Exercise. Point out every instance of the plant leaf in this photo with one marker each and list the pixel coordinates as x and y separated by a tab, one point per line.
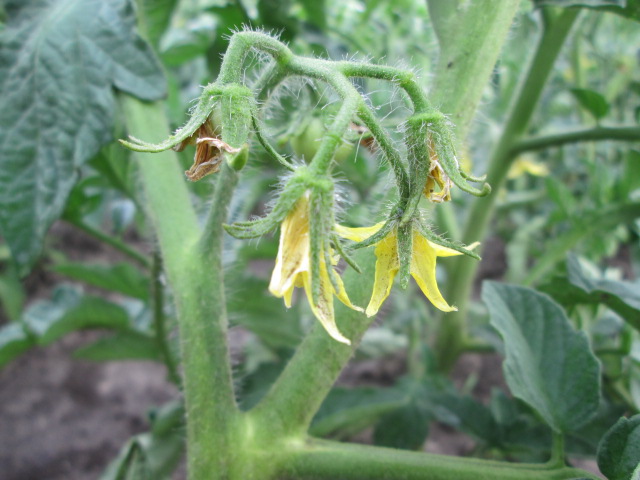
59	62
156	16
581	288
153	455
14	340
69	310
625	8
406	428
347	411
591	101
121	277
125	345
548	365
619	450
581	3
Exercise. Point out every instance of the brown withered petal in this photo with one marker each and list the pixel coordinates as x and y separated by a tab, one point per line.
208	157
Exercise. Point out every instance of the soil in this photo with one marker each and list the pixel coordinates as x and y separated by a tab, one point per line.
65	419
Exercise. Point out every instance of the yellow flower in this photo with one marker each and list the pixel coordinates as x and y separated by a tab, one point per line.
527	164
423	265
293	269
437	177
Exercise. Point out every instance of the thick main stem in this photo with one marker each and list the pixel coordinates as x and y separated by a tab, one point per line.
330	460
195	275
451	336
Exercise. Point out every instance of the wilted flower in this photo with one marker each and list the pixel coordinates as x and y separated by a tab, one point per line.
423	264
209	152
293	269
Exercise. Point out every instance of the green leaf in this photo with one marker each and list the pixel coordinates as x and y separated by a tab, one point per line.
347	411
153	455
581	287
316	12
619	450
12	293
562	196
580	3
406	428
181	45
592	101
585	225
14	340
155	18
121	277
69	310
630	178
263	314
548	365
474	418
59	61
125	345
625	8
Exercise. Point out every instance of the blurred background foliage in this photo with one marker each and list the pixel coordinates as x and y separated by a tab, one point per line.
563	224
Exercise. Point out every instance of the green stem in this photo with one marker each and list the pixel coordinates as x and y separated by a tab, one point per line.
330	460
557	451
309	376
159	320
621	133
471	35
112	241
451	335
194	273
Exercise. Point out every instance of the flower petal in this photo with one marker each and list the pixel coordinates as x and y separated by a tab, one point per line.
357	234
387	266
287	296
293	250
324	309
341	293
442	251
423	269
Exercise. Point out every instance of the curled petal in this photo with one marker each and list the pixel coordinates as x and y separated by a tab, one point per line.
423	270
358	234
323	309
387	266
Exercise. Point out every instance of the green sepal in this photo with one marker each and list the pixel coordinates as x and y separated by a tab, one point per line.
337	244
446	153
236	108
471	178
405	247
333	276
257	127
416	138
199	115
237	161
430	235
256	228
316	244
376	237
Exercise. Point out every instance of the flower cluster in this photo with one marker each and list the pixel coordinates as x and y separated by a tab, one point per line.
310	239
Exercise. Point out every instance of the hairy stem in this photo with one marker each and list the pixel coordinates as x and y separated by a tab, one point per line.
159	320
451	336
596	134
300	390
195	275
329	460
471	36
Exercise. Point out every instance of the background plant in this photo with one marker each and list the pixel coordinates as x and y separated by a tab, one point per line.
585	204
